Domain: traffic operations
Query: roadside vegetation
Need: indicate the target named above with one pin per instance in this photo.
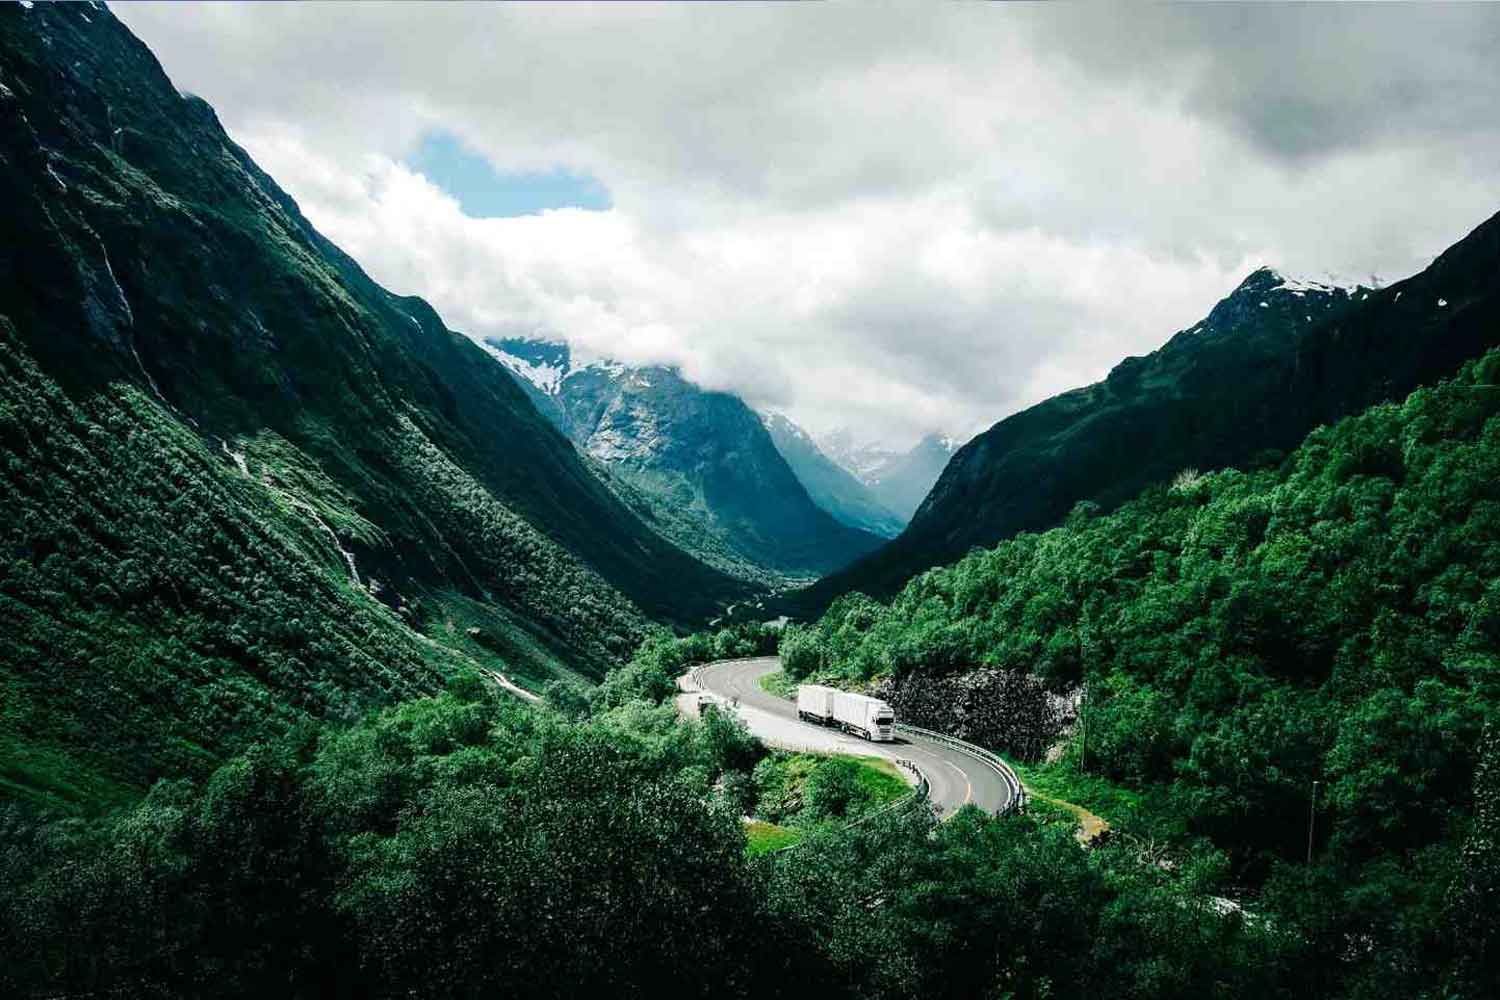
(763, 838)
(460, 844)
(795, 793)
(803, 790)
(1208, 652)
(463, 844)
(779, 683)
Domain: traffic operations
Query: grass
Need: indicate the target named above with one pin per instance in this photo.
(881, 778)
(1091, 800)
(1058, 793)
(763, 838)
(779, 684)
(785, 816)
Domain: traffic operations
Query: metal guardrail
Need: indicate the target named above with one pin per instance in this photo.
(1017, 801)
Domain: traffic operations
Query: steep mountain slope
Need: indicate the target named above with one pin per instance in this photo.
(904, 481)
(1269, 363)
(899, 480)
(703, 461)
(241, 482)
(830, 485)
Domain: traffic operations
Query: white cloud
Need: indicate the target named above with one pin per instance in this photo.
(902, 221)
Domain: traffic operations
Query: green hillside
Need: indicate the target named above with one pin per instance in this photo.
(1273, 360)
(242, 483)
(1242, 635)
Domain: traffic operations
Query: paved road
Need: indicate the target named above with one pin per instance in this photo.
(954, 778)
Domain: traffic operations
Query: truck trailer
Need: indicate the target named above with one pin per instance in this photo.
(815, 704)
(853, 713)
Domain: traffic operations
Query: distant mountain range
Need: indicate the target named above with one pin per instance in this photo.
(898, 479)
(832, 486)
(700, 466)
(1273, 360)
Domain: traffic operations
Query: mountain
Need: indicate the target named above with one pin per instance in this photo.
(903, 482)
(899, 480)
(699, 465)
(240, 483)
(1273, 360)
(861, 459)
(830, 485)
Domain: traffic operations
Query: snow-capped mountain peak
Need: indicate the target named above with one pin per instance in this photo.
(546, 364)
(1327, 282)
(542, 363)
(547, 378)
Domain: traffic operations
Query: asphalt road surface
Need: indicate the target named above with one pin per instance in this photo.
(954, 778)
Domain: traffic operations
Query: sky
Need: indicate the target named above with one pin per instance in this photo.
(483, 192)
(892, 219)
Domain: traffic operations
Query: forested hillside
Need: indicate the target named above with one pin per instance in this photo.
(1273, 360)
(459, 846)
(243, 484)
(1240, 635)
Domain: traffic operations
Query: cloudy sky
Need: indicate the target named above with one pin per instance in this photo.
(897, 219)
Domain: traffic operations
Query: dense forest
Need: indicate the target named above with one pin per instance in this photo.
(1236, 637)
(459, 844)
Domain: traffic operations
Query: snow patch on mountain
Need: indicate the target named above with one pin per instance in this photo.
(1328, 282)
(546, 377)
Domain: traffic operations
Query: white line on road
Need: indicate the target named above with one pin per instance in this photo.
(968, 785)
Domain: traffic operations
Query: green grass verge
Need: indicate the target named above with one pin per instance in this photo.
(762, 837)
(779, 684)
(803, 791)
(1123, 808)
(881, 778)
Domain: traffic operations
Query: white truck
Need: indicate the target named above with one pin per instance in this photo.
(853, 713)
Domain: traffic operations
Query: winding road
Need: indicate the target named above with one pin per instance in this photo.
(955, 778)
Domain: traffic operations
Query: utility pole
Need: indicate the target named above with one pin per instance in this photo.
(1312, 812)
